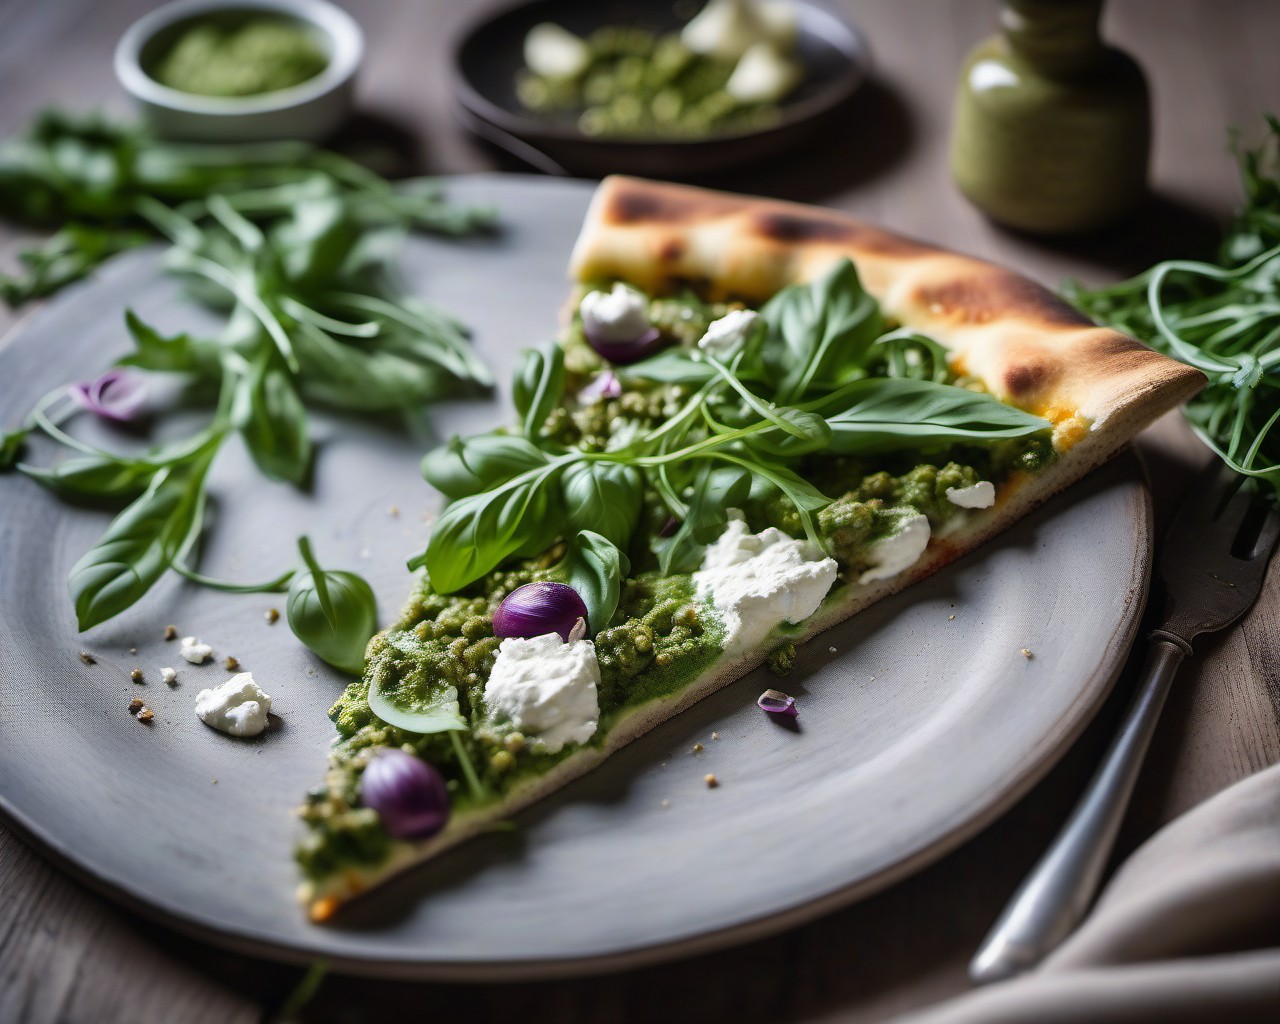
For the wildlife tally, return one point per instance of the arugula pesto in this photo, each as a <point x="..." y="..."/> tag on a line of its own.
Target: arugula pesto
<point x="825" y="422"/>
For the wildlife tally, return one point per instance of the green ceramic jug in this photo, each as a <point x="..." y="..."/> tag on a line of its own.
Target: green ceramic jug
<point x="1052" y="127"/>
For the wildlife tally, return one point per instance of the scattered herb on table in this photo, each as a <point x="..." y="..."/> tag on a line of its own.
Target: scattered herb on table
<point x="1222" y="317"/>
<point x="295" y="245"/>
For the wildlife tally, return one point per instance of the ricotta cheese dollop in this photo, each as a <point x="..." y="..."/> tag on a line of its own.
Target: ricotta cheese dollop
<point x="237" y="707"/>
<point x="555" y="52"/>
<point x="762" y="75"/>
<point x="757" y="581"/>
<point x="901" y="548"/>
<point x="621" y="314"/>
<point x="979" y="495"/>
<point x="723" y="336"/>
<point x="547" y="689"/>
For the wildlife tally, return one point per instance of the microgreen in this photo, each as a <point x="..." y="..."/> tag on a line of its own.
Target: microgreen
<point x="797" y="388"/>
<point x="1221" y="317"/>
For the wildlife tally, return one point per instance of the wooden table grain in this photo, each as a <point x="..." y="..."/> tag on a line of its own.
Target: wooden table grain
<point x="70" y="956"/>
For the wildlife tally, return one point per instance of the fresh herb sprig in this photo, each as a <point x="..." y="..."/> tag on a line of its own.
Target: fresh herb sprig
<point x="295" y="245"/>
<point x="800" y="383"/>
<point x="1222" y="317"/>
<point x="86" y="177"/>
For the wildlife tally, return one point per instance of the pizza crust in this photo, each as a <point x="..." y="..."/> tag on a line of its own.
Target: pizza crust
<point x="1031" y="349"/>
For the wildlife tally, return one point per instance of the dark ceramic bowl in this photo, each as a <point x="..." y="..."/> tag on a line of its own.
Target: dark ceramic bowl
<point x="490" y="52"/>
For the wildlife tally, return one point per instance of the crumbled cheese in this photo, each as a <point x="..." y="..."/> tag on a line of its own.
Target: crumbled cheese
<point x="195" y="651"/>
<point x="547" y="689"/>
<point x="901" y="549"/>
<point x="762" y="75"/>
<point x="237" y="707"/>
<point x="757" y="581"/>
<point x="555" y="52"/>
<point x="979" y="495"/>
<point x="169" y="675"/>
<point x="728" y="28"/>
<point x="729" y="332"/>
<point x="621" y="314"/>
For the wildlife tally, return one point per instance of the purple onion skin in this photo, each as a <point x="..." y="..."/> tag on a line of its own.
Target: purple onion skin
<point x="624" y="353"/>
<point x="117" y="395"/>
<point x="409" y="795"/>
<point x="537" y="609"/>
<point x="774" y="706"/>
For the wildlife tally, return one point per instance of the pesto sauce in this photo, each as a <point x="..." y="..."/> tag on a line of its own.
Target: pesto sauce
<point x="661" y="636"/>
<point x="243" y="57"/>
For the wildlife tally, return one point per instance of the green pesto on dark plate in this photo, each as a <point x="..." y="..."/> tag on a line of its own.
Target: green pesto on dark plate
<point x="245" y="56"/>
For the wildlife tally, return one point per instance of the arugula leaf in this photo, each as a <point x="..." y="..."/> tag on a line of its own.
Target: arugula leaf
<point x="95" y="477"/>
<point x="604" y="497"/>
<point x="461" y="467"/>
<point x="11" y="445"/>
<point x="141" y="542"/>
<point x="595" y="567"/>
<point x="804" y="432"/>
<point x="178" y="353"/>
<point x="476" y="534"/>
<point x="538" y="387"/>
<point x="891" y="414"/>
<point x="273" y="422"/>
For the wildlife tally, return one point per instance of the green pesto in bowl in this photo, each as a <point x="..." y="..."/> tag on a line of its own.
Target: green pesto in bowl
<point x="238" y="54"/>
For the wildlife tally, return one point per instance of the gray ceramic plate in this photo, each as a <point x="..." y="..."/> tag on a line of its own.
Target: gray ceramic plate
<point x="921" y="719"/>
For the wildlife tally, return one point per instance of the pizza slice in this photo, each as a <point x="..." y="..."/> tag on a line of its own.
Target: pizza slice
<point x="760" y="419"/>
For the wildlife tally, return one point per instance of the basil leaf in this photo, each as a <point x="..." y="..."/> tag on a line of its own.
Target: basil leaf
<point x="670" y="366"/>
<point x="595" y="567"/>
<point x="819" y="333"/>
<point x="95" y="477"/>
<point x="538" y="387"/>
<point x="273" y="422"/>
<point x="459" y="467"/>
<point x="141" y="542"/>
<point x="890" y="414"/>
<point x="179" y="353"/>
<point x="716" y="489"/>
<point x="405" y="702"/>
<point x="333" y="612"/>
<point x="604" y="497"/>
<point x="11" y="445"/>
<point x="476" y="534"/>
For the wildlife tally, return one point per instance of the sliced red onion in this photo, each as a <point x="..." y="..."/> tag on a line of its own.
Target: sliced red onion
<point x="537" y="609"/>
<point x="603" y="385"/>
<point x="624" y="353"/>
<point x="777" y="703"/>
<point x="118" y="394"/>
<point x="409" y="795"/>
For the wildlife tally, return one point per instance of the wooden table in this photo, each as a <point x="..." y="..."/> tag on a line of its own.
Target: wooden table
<point x="68" y="955"/>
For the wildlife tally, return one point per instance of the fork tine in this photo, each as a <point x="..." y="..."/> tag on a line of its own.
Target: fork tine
<point x="1207" y="495"/>
<point x="1235" y="503"/>
<point x="1267" y="536"/>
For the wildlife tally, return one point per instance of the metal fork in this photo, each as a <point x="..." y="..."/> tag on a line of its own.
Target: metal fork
<point x="1214" y="561"/>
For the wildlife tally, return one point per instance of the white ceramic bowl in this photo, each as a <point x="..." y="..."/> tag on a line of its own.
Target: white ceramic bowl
<point x="309" y="111"/>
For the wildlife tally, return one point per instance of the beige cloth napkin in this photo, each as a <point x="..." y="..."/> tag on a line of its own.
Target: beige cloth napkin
<point x="1187" y="930"/>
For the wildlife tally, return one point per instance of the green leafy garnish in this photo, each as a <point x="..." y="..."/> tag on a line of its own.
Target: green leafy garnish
<point x="799" y="386"/>
<point x="1221" y="317"/>
<point x="333" y="612"/>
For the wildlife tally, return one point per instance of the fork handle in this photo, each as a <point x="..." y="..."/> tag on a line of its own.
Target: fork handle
<point x="1058" y="892"/>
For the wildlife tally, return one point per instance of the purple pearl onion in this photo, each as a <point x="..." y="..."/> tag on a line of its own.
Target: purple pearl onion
<point x="536" y="609"/>
<point x="409" y="795"/>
